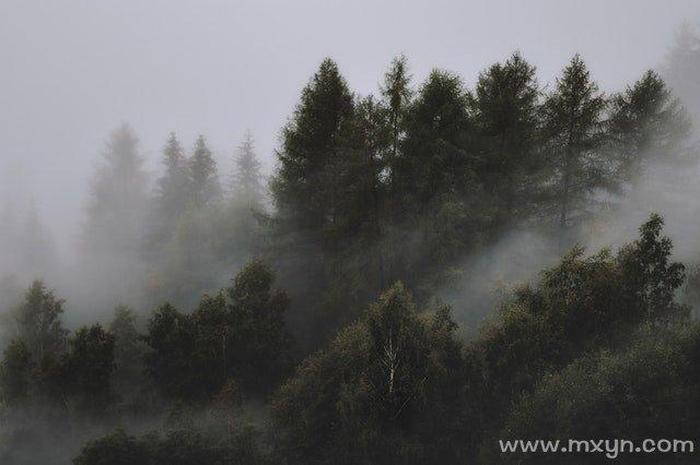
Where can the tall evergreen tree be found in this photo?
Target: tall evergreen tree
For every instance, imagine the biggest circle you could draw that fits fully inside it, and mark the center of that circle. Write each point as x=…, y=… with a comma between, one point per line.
x=321, y=191
x=119, y=197
x=247, y=180
x=575, y=139
x=113, y=232
x=306, y=188
x=204, y=181
x=379, y=128
x=173, y=185
x=505, y=105
x=435, y=158
x=646, y=123
x=397, y=93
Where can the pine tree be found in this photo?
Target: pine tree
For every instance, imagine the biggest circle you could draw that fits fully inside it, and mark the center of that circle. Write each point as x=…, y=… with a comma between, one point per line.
x=505, y=106
x=247, y=180
x=646, y=123
x=204, y=182
x=575, y=141
x=306, y=189
x=397, y=94
x=435, y=158
x=173, y=185
x=380, y=128
x=116, y=210
x=321, y=190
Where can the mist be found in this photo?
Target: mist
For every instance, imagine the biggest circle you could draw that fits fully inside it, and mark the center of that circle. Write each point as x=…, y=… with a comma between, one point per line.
x=147, y=181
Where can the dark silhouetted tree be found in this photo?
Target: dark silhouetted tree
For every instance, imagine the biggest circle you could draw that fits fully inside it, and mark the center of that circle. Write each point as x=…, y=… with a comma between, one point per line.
x=646, y=124
x=15, y=373
x=87, y=368
x=575, y=141
x=505, y=104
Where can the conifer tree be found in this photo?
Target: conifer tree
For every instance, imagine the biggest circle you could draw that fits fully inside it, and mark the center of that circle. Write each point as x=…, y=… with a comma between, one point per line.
x=173, y=185
x=397, y=94
x=379, y=130
x=306, y=188
x=116, y=210
x=247, y=180
x=575, y=141
x=505, y=106
x=435, y=158
x=204, y=182
x=646, y=123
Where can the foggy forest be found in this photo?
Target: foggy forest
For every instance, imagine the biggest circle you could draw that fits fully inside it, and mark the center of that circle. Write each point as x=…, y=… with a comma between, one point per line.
x=401, y=272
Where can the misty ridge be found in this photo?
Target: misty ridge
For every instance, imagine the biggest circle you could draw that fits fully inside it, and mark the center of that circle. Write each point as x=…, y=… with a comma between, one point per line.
x=426, y=270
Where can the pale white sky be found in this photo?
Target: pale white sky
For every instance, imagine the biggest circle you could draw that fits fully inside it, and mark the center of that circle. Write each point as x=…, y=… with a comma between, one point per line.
x=71, y=70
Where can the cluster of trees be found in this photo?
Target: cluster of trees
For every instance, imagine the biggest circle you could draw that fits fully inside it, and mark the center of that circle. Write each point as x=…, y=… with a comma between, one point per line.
x=374, y=189
x=182, y=238
x=376, y=200
x=401, y=186
x=44, y=362
x=233, y=346
x=600, y=337
x=398, y=386
x=235, y=339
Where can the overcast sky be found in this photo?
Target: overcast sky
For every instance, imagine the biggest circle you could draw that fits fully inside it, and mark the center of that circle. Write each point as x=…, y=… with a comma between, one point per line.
x=70, y=71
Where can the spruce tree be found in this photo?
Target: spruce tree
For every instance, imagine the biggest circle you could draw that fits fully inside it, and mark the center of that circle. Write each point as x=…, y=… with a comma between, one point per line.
x=505, y=106
x=306, y=188
x=575, y=142
x=397, y=93
x=247, y=180
x=321, y=190
x=379, y=135
x=435, y=158
x=173, y=185
x=116, y=209
x=647, y=123
x=204, y=183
